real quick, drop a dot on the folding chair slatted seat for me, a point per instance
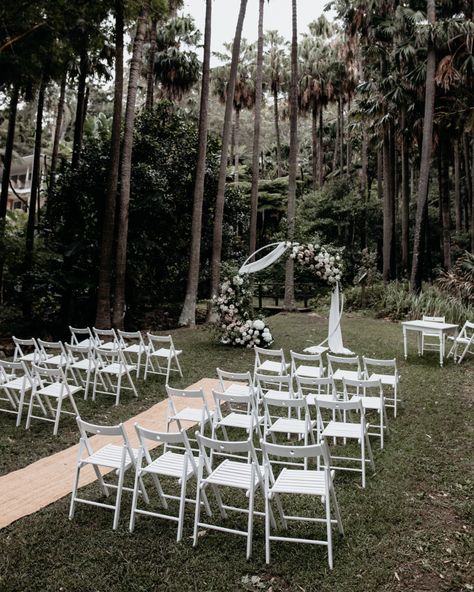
(195, 410)
(317, 483)
(117, 457)
(372, 398)
(161, 356)
(465, 341)
(306, 365)
(233, 474)
(182, 466)
(15, 384)
(347, 429)
(378, 369)
(134, 348)
(431, 341)
(115, 373)
(270, 361)
(51, 385)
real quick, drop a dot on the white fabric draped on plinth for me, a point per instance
(335, 334)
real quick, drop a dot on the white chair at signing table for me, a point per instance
(465, 340)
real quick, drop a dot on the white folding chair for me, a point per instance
(306, 365)
(372, 398)
(233, 474)
(387, 372)
(50, 384)
(15, 384)
(431, 341)
(178, 465)
(242, 414)
(340, 367)
(270, 361)
(347, 429)
(133, 347)
(81, 365)
(241, 383)
(112, 367)
(53, 353)
(82, 337)
(465, 340)
(275, 386)
(317, 483)
(301, 426)
(322, 389)
(161, 355)
(116, 457)
(21, 353)
(106, 339)
(186, 405)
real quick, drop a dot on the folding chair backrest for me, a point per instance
(370, 387)
(176, 439)
(81, 351)
(246, 400)
(108, 356)
(226, 446)
(127, 337)
(17, 369)
(20, 344)
(86, 429)
(274, 355)
(79, 334)
(468, 330)
(105, 335)
(334, 361)
(434, 319)
(274, 382)
(175, 394)
(296, 452)
(158, 341)
(308, 359)
(352, 405)
(379, 363)
(314, 386)
(50, 374)
(223, 376)
(51, 347)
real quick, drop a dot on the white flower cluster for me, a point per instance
(234, 306)
(318, 260)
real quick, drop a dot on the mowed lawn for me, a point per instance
(410, 529)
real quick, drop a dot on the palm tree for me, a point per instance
(256, 133)
(103, 317)
(275, 75)
(219, 204)
(126, 167)
(289, 271)
(425, 162)
(188, 312)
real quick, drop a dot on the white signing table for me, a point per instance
(440, 329)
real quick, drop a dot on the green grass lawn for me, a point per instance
(410, 529)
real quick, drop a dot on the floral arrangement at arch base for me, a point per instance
(234, 308)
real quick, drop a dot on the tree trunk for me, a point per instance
(80, 109)
(348, 143)
(276, 116)
(293, 160)
(387, 207)
(405, 209)
(57, 131)
(237, 144)
(8, 155)
(364, 182)
(314, 145)
(35, 187)
(467, 180)
(150, 78)
(336, 142)
(341, 135)
(380, 173)
(320, 149)
(444, 198)
(457, 186)
(256, 132)
(472, 196)
(219, 205)
(103, 317)
(126, 167)
(425, 161)
(188, 313)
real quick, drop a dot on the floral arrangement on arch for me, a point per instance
(319, 261)
(234, 308)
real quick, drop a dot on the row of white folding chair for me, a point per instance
(157, 356)
(463, 341)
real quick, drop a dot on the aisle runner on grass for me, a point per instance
(27, 490)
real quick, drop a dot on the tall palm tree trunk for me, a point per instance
(425, 162)
(387, 207)
(444, 201)
(236, 144)
(126, 168)
(103, 317)
(405, 206)
(80, 109)
(472, 196)
(293, 160)
(35, 187)
(8, 154)
(256, 132)
(320, 149)
(57, 131)
(314, 145)
(467, 180)
(457, 186)
(150, 83)
(276, 117)
(219, 204)
(188, 313)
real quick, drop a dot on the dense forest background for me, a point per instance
(151, 169)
